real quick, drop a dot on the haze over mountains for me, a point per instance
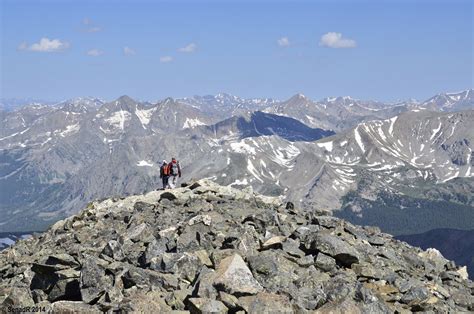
(337, 153)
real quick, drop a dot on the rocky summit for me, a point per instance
(204, 248)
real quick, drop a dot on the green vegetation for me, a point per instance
(401, 214)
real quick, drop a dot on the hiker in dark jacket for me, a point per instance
(174, 171)
(164, 174)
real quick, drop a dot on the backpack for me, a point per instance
(165, 170)
(173, 168)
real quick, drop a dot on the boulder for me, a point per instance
(234, 277)
(333, 246)
(93, 282)
(66, 289)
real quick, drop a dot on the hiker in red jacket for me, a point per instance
(174, 171)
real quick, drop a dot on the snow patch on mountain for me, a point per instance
(253, 171)
(144, 115)
(144, 163)
(70, 129)
(192, 123)
(239, 182)
(326, 145)
(243, 148)
(119, 118)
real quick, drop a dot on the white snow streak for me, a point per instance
(359, 139)
(192, 123)
(392, 122)
(144, 116)
(144, 163)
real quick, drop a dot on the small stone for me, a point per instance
(306, 261)
(324, 262)
(113, 249)
(463, 273)
(229, 300)
(205, 219)
(204, 305)
(265, 302)
(203, 257)
(166, 233)
(415, 295)
(63, 259)
(141, 233)
(291, 247)
(327, 221)
(273, 242)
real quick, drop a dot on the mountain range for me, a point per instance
(342, 155)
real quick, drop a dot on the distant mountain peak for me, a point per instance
(298, 98)
(125, 99)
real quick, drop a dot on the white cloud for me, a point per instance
(45, 45)
(95, 52)
(189, 48)
(86, 21)
(283, 42)
(335, 40)
(128, 51)
(166, 59)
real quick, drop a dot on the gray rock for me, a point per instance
(142, 233)
(66, 289)
(324, 262)
(291, 247)
(93, 281)
(113, 249)
(266, 303)
(415, 295)
(229, 300)
(154, 249)
(273, 242)
(333, 246)
(204, 305)
(233, 276)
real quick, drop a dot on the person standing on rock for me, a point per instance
(164, 174)
(174, 171)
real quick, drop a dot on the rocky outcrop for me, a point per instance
(205, 248)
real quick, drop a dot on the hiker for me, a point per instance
(164, 174)
(174, 170)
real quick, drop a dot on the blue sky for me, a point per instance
(384, 50)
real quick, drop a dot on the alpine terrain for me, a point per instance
(205, 248)
(406, 167)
